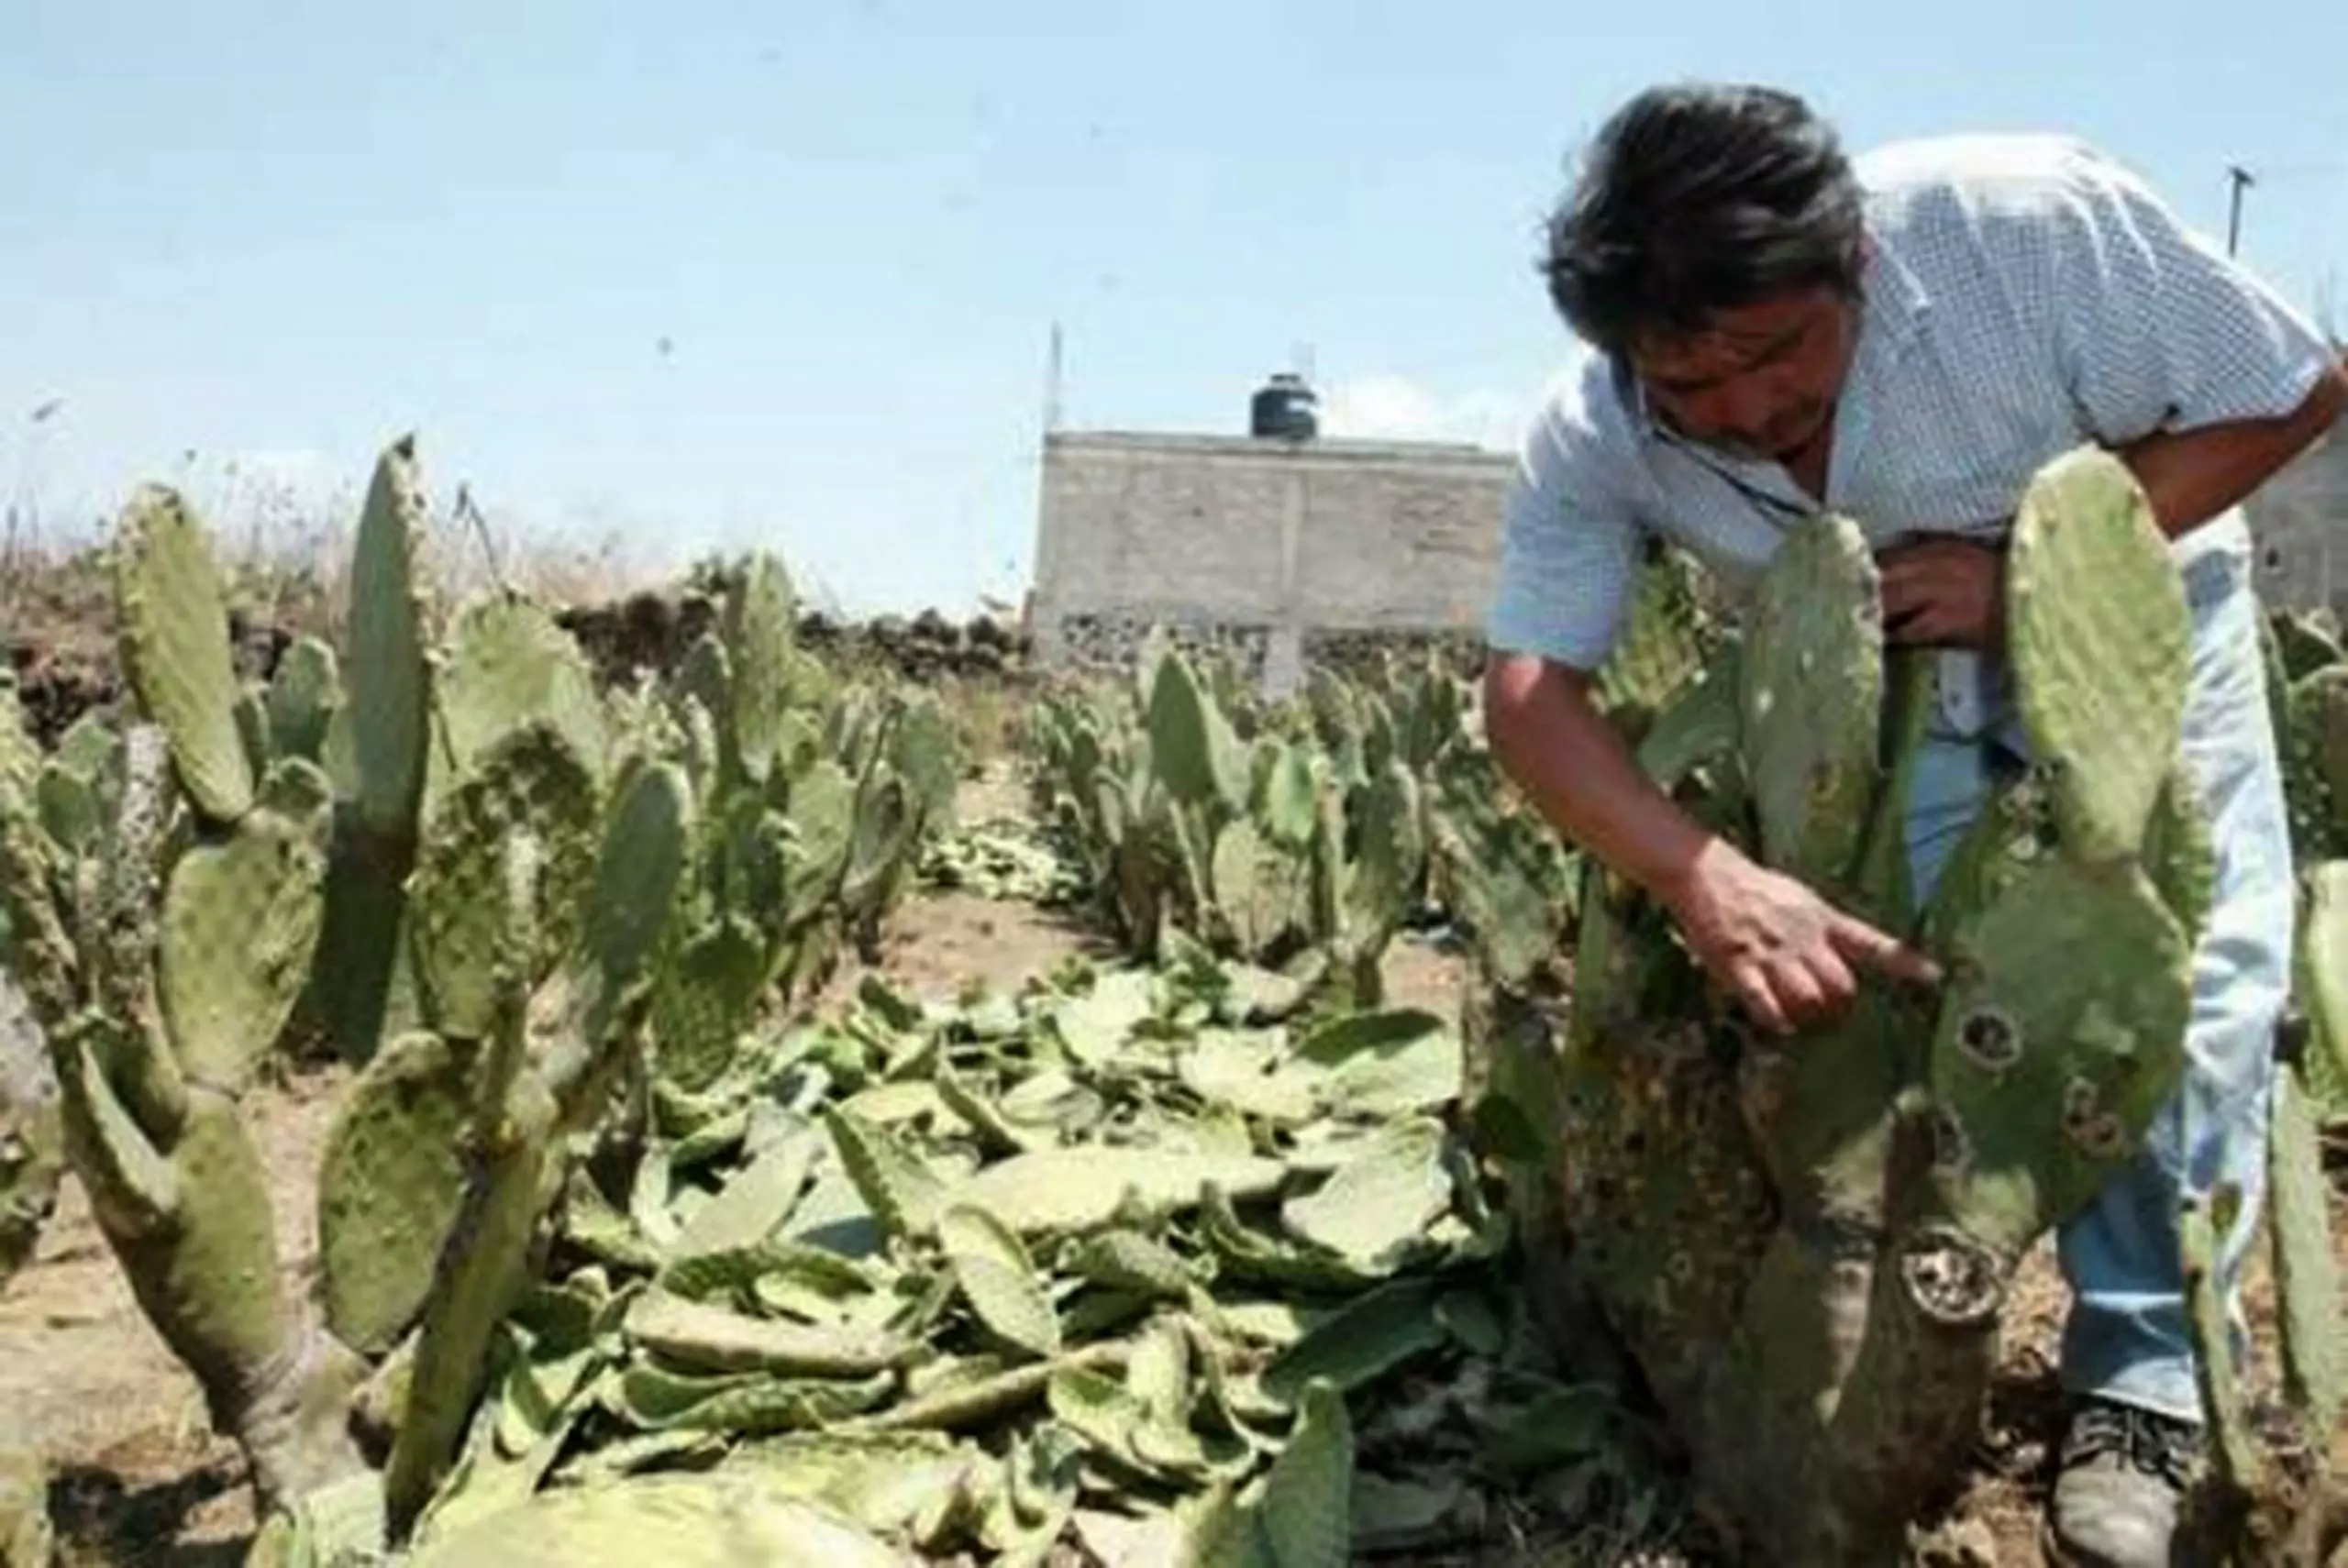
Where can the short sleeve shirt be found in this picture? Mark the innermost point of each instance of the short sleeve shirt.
(2025, 296)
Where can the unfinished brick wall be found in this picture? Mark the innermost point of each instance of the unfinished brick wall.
(1271, 545)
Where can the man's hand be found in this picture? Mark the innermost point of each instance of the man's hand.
(1944, 592)
(1786, 953)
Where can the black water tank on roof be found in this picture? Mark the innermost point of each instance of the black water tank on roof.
(1284, 409)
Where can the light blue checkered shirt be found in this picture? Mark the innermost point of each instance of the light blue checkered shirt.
(2027, 294)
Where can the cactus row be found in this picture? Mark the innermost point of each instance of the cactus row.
(442, 848)
(1304, 833)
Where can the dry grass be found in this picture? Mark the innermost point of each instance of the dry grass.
(291, 569)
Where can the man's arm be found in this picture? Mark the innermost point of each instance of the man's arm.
(2180, 359)
(2181, 362)
(2191, 476)
(1785, 953)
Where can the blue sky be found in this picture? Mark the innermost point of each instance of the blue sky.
(706, 276)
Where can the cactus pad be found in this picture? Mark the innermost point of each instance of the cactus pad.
(390, 684)
(2318, 975)
(389, 1185)
(720, 1520)
(1812, 688)
(304, 694)
(2061, 1032)
(175, 650)
(529, 782)
(2099, 642)
(241, 914)
(2315, 749)
(638, 868)
(1197, 756)
(2306, 1274)
(760, 661)
(509, 666)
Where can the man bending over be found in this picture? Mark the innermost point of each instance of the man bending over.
(1905, 338)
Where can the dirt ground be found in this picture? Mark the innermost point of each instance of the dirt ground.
(139, 1481)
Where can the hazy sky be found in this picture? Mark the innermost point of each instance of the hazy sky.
(707, 275)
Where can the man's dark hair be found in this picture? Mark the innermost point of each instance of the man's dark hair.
(1697, 198)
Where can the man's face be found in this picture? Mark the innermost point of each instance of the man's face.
(1759, 380)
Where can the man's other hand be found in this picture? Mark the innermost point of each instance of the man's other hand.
(1786, 953)
(1943, 593)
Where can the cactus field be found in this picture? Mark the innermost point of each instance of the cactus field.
(490, 1081)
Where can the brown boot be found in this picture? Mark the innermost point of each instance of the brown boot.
(2123, 1472)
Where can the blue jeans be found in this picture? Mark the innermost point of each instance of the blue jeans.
(2126, 1337)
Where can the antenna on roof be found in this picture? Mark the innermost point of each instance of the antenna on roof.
(1053, 370)
(2239, 178)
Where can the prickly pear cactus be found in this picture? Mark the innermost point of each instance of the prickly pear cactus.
(1805, 1244)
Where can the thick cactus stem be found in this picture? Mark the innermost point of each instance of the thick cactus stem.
(207, 1276)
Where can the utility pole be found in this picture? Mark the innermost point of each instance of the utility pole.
(2239, 178)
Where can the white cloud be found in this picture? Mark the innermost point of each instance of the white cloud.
(1391, 407)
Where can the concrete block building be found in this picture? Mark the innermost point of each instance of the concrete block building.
(2299, 521)
(1281, 550)
(1288, 548)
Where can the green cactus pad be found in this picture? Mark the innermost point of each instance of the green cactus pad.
(680, 1521)
(927, 757)
(32, 1154)
(242, 916)
(2061, 1032)
(2319, 977)
(304, 694)
(2179, 855)
(529, 782)
(1812, 708)
(700, 1336)
(510, 667)
(638, 868)
(760, 658)
(999, 1280)
(1073, 1191)
(1192, 747)
(1665, 639)
(39, 950)
(823, 822)
(2307, 1275)
(2100, 643)
(1258, 889)
(390, 1183)
(2315, 747)
(704, 1001)
(390, 683)
(175, 650)
(20, 754)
